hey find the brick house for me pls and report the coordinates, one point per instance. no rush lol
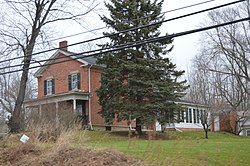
(72, 83)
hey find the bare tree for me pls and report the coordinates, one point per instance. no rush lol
(203, 91)
(227, 55)
(24, 23)
(9, 88)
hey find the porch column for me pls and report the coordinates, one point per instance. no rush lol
(57, 118)
(192, 115)
(185, 116)
(74, 105)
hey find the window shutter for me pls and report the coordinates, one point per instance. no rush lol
(78, 81)
(53, 86)
(69, 82)
(45, 87)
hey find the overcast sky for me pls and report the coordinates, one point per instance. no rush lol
(185, 47)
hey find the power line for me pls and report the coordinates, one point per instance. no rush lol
(132, 29)
(127, 30)
(108, 26)
(122, 32)
(97, 29)
(137, 43)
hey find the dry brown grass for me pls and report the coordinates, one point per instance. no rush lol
(46, 126)
(30, 154)
(56, 141)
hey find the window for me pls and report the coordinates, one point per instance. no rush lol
(203, 116)
(248, 133)
(180, 116)
(49, 87)
(190, 115)
(194, 113)
(74, 81)
(186, 116)
(198, 116)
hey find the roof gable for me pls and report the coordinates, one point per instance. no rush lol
(88, 60)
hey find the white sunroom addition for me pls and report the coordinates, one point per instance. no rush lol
(189, 118)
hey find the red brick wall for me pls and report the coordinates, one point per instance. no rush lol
(60, 73)
(228, 121)
(190, 129)
(95, 107)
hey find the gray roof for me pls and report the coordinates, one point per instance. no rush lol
(91, 60)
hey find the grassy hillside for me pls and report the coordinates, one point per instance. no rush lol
(187, 148)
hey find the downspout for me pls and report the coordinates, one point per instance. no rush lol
(90, 121)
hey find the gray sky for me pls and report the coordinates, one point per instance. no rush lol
(185, 47)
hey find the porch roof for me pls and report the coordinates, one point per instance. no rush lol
(74, 95)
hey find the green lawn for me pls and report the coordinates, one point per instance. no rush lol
(188, 148)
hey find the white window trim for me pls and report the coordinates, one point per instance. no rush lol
(49, 87)
(74, 83)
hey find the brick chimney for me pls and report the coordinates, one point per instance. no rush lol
(63, 45)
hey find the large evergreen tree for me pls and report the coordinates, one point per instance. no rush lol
(137, 83)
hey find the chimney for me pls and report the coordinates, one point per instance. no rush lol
(63, 45)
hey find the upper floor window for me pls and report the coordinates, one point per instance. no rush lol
(74, 81)
(49, 87)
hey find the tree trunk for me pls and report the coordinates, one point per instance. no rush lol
(16, 124)
(205, 128)
(138, 126)
(206, 134)
(236, 128)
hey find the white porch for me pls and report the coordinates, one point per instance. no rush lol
(75, 100)
(74, 96)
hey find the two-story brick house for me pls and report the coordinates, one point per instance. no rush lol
(72, 82)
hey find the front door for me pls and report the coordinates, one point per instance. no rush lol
(81, 111)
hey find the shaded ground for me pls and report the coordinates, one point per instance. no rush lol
(146, 135)
(29, 154)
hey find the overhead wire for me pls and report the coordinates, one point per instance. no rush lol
(131, 29)
(124, 31)
(137, 43)
(97, 29)
(108, 26)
